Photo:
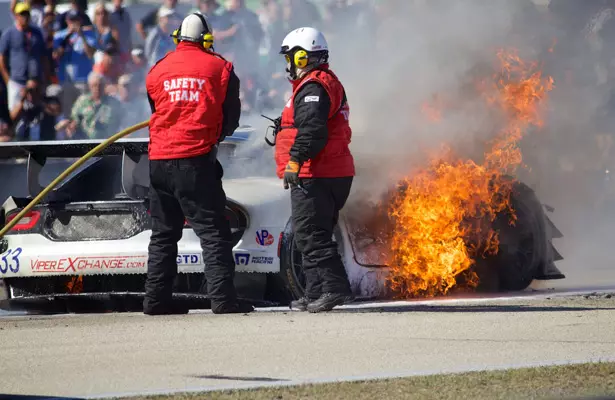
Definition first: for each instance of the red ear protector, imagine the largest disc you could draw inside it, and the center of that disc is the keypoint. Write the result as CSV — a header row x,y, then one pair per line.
x,y
205,39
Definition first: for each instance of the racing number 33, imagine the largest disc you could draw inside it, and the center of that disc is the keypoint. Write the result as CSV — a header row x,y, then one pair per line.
x,y
10,261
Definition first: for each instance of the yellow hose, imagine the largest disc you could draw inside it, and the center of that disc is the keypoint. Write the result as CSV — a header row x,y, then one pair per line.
x,y
68,171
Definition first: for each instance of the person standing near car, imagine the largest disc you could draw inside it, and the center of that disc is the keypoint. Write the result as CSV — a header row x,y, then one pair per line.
x,y
313,157
194,97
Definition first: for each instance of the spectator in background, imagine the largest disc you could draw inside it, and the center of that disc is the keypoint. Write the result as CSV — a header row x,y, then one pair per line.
x,y
76,6
49,17
6,133
107,64
22,54
159,41
274,32
130,99
36,11
95,115
150,20
73,51
122,23
106,58
32,118
246,39
219,22
138,66
106,34
298,13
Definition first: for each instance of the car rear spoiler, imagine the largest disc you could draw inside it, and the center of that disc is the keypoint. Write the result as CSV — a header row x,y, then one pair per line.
x,y
133,152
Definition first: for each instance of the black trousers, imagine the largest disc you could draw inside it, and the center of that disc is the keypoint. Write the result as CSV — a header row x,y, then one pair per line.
x,y
190,188
315,213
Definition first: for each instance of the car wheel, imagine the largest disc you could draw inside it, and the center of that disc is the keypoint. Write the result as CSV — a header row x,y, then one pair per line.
x,y
291,266
523,245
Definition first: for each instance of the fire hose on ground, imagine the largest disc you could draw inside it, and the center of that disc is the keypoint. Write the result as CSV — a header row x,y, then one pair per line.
x,y
68,171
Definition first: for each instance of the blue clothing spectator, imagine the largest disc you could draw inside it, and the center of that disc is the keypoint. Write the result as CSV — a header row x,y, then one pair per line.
x,y
159,41
120,20
22,53
75,63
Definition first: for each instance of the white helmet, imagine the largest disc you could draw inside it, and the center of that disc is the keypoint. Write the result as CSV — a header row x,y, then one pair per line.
x,y
194,28
304,49
308,39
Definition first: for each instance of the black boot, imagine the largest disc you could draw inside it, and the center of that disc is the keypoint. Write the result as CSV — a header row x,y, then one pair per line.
x,y
300,304
327,301
170,309
236,307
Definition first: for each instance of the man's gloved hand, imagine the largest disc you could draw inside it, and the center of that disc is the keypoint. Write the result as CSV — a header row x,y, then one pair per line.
x,y
291,174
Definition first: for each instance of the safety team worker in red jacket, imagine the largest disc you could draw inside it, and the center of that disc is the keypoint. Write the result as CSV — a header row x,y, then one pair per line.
x,y
194,97
313,157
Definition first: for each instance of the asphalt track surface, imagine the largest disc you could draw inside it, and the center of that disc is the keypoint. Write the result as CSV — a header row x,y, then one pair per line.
x,y
97,355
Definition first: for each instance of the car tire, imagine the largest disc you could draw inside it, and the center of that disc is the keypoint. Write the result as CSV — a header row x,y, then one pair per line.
x,y
291,269
523,246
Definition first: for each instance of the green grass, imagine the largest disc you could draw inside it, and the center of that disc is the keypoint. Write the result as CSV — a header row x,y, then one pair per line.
x,y
572,381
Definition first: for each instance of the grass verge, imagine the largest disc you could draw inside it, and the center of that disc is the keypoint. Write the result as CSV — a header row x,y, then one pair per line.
x,y
572,381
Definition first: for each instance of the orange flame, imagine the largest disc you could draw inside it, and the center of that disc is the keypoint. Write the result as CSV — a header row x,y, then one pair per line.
x,y
441,215
75,285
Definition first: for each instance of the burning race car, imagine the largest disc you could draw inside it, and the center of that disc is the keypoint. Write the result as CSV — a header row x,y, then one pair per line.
x,y
456,225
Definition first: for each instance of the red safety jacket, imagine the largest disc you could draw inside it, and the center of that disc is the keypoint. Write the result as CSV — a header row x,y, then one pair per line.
x,y
335,160
187,87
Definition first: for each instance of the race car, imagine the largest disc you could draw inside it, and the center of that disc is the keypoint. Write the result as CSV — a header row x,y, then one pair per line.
x,y
85,245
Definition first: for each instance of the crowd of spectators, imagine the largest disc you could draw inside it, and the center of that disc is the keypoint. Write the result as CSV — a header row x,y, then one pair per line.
x,y
66,75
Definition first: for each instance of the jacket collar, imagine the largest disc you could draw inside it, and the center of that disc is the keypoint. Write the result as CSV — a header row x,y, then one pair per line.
x,y
188,45
322,67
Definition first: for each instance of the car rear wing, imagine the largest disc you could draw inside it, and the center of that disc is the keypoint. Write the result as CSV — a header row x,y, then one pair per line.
x,y
135,168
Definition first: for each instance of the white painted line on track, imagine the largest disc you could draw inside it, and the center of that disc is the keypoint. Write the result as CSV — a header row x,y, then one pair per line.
x,y
297,382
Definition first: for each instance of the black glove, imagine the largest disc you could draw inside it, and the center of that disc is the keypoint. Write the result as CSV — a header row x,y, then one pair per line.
x,y
291,174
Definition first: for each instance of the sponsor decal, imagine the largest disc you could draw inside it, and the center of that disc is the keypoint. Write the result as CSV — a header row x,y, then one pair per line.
x,y
264,238
242,258
80,264
188,259
312,99
262,260
10,261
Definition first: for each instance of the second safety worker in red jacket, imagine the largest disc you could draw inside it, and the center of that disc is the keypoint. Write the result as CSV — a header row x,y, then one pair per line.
x,y
313,157
194,96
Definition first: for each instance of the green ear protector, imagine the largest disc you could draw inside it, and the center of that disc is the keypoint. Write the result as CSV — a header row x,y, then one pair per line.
x,y
205,39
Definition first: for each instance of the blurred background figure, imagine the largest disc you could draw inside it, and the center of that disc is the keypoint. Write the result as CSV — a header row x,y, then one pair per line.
x,y
159,41
299,13
122,23
150,20
220,22
95,115
244,49
137,67
73,51
76,6
106,58
36,10
33,116
22,54
132,100
5,131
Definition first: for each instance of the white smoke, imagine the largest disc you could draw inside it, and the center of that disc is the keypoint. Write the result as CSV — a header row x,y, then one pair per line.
x,y
423,48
